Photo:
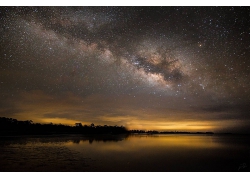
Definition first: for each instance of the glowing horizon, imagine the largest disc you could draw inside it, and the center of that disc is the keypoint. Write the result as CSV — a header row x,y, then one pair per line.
x,y
180,69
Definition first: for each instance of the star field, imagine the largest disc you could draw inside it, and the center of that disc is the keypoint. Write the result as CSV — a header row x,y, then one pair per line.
x,y
163,68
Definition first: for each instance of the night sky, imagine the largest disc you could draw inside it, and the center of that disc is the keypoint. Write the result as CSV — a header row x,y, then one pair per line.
x,y
151,68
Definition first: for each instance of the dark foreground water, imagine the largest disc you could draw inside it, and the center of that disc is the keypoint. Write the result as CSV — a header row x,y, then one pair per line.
x,y
141,153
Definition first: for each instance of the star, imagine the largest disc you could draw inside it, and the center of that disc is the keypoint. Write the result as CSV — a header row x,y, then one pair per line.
x,y
93,64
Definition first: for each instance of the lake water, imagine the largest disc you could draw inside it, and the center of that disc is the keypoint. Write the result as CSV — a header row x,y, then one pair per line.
x,y
140,153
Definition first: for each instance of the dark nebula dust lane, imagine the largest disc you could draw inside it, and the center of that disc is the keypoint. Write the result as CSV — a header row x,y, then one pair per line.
x,y
163,68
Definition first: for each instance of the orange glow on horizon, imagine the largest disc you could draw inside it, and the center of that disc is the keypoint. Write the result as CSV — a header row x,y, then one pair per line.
x,y
158,125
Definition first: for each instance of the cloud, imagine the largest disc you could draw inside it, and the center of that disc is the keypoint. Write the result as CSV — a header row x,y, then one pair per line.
x,y
123,65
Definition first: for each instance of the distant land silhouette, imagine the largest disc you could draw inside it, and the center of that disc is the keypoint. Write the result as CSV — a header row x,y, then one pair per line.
x,y
10,126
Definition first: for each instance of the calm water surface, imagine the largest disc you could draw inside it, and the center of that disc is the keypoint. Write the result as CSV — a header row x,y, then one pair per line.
x,y
141,153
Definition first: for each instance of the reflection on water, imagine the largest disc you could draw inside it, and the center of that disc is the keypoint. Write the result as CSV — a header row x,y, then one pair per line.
x,y
152,153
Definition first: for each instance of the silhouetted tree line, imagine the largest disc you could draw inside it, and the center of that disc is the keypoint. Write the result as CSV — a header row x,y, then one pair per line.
x,y
9,126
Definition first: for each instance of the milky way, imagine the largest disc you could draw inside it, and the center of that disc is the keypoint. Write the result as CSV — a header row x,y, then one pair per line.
x,y
168,68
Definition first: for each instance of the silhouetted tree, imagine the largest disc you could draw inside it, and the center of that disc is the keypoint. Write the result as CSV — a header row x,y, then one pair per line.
x,y
13,126
78,124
